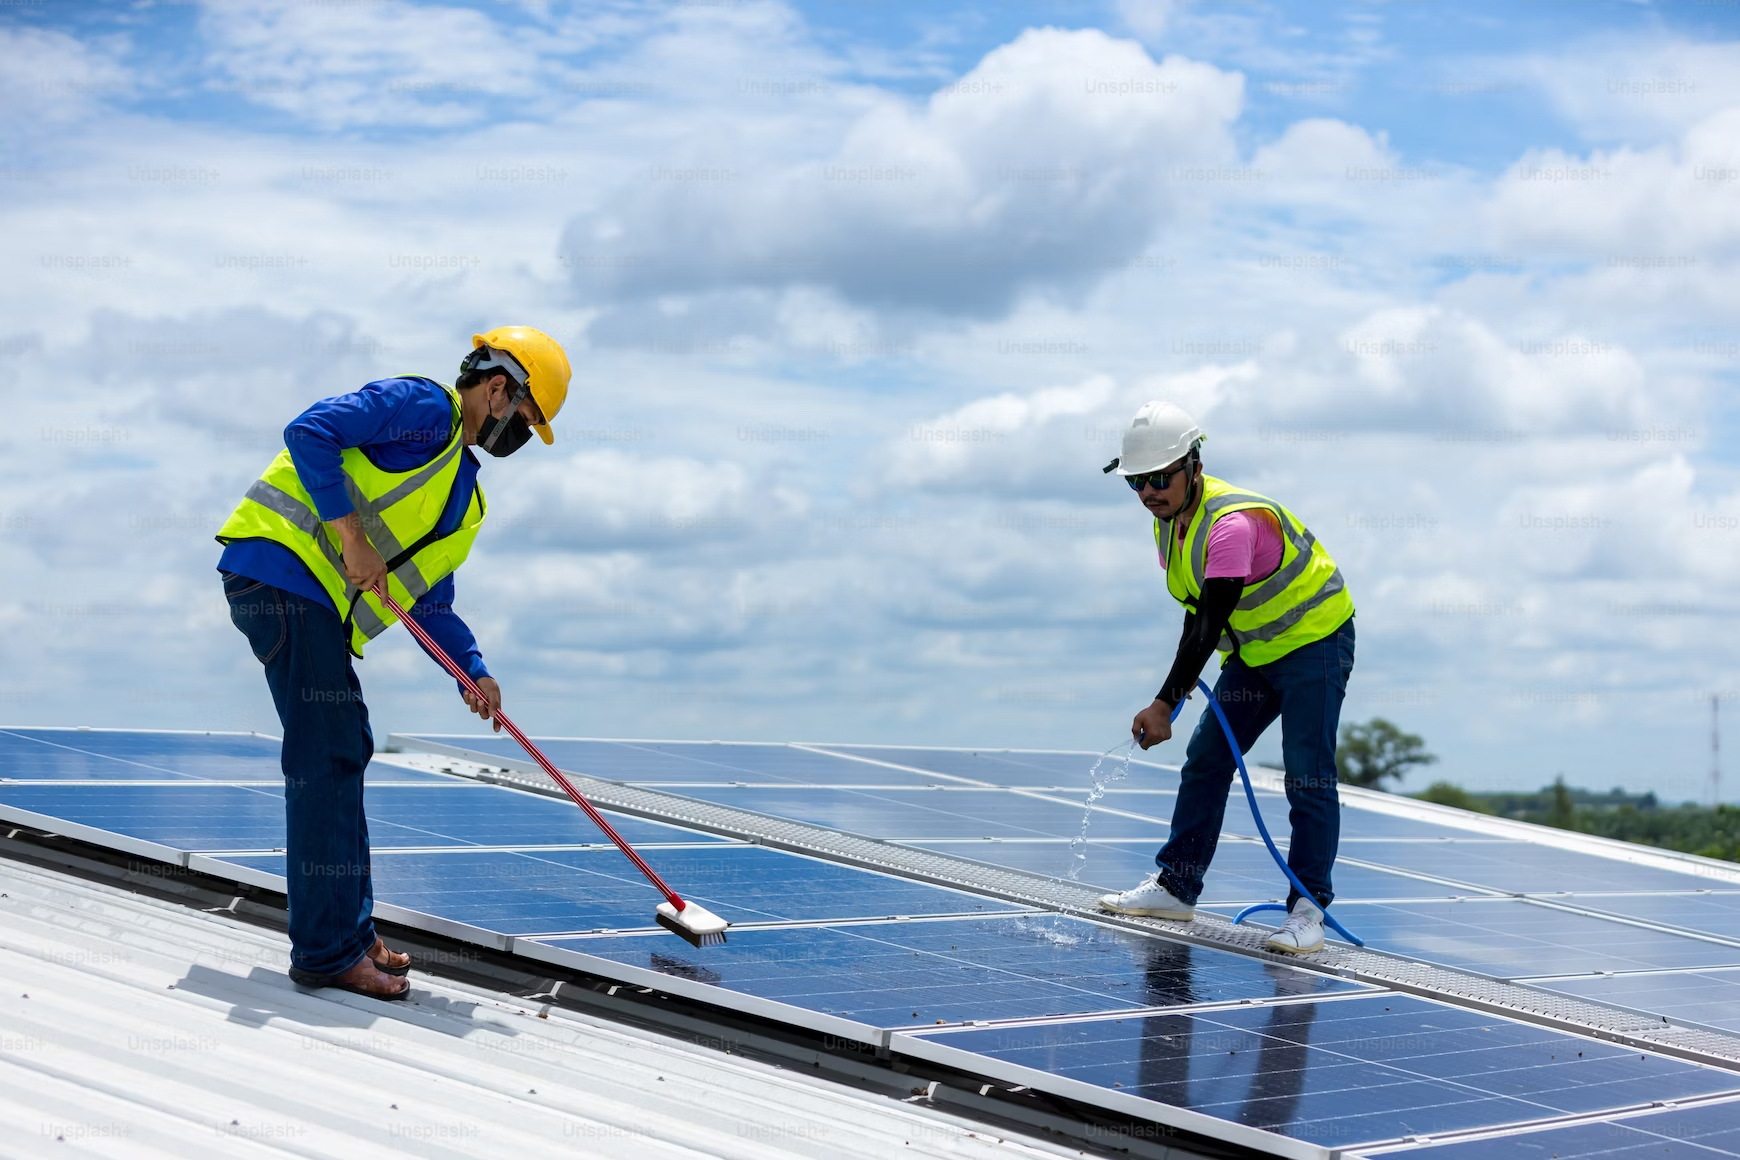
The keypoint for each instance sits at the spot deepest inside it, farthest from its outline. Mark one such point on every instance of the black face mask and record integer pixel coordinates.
(503, 437)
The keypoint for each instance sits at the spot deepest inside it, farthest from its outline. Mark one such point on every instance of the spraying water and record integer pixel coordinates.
(1097, 790)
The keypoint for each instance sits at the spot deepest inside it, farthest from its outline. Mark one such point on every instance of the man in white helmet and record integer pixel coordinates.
(1256, 585)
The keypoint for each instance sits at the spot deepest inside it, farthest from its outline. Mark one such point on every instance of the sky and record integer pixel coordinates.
(859, 299)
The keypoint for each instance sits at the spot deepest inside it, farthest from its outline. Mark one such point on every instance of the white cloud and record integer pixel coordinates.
(1661, 209)
(377, 63)
(1046, 164)
(52, 79)
(1615, 90)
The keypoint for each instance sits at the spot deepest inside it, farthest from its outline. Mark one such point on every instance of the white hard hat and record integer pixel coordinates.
(1160, 435)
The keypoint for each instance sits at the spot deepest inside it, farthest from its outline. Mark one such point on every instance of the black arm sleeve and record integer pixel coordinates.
(1202, 629)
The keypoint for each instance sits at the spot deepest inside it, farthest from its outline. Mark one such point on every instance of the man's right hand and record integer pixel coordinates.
(1152, 725)
(363, 565)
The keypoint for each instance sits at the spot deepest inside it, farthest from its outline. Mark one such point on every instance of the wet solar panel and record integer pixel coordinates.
(202, 816)
(1256, 1043)
(1710, 998)
(925, 973)
(563, 891)
(1512, 938)
(1348, 1071)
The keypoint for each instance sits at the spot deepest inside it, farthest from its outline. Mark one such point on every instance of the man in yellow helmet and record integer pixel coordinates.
(1255, 583)
(374, 490)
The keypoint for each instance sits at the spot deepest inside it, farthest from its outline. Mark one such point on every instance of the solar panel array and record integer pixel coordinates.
(1237, 1047)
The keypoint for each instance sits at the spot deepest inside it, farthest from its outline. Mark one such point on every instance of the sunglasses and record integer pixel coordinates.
(1159, 479)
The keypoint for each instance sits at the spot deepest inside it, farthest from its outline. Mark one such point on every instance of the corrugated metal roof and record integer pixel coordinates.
(136, 1027)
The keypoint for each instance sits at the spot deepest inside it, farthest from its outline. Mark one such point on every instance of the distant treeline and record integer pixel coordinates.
(1694, 829)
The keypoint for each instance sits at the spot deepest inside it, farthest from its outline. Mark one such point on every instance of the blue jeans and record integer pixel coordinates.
(1304, 689)
(327, 745)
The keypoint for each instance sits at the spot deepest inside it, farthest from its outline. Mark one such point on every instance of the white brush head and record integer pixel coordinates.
(700, 926)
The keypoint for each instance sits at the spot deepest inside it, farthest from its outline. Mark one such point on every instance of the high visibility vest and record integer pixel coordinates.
(399, 511)
(1304, 600)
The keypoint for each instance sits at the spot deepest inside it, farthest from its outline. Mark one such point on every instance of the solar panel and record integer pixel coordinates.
(1258, 1044)
(116, 755)
(1694, 1133)
(925, 973)
(1014, 767)
(1513, 938)
(523, 893)
(1241, 871)
(1716, 912)
(700, 763)
(1523, 867)
(930, 813)
(1355, 1069)
(202, 816)
(1711, 998)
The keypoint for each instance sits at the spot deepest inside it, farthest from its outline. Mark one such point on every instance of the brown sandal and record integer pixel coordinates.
(388, 961)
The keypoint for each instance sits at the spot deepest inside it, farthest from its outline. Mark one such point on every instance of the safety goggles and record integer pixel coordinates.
(485, 358)
(1160, 479)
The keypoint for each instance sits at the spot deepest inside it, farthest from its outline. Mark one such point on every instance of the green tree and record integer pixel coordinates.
(1371, 753)
(1449, 794)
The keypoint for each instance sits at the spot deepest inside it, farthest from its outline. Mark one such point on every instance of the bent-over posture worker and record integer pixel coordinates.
(374, 488)
(1256, 584)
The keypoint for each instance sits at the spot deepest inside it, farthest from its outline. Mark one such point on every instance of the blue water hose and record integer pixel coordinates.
(1257, 816)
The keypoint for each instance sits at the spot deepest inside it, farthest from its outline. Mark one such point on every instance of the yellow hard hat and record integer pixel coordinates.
(545, 364)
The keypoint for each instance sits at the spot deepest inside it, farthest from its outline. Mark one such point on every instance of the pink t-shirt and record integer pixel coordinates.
(1245, 544)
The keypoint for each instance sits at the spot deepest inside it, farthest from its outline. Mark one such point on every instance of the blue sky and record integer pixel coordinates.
(859, 297)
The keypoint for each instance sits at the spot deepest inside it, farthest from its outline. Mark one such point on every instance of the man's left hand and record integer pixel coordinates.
(486, 709)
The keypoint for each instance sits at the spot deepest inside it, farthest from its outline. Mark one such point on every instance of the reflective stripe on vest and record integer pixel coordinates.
(1304, 600)
(277, 508)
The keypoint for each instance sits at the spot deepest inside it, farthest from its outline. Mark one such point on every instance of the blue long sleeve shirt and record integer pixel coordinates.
(400, 425)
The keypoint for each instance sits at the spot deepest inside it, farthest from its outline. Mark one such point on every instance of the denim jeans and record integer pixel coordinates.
(327, 745)
(1304, 689)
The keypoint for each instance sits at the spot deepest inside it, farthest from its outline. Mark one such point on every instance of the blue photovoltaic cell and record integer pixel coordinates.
(582, 890)
(487, 815)
(1696, 1133)
(1519, 867)
(200, 816)
(1708, 997)
(1717, 912)
(1359, 823)
(928, 813)
(136, 755)
(1351, 1071)
(1510, 938)
(907, 974)
(660, 763)
(80, 754)
(1015, 767)
(1241, 871)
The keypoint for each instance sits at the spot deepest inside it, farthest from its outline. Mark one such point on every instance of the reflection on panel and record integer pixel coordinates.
(1016, 767)
(1360, 1069)
(1511, 938)
(1716, 912)
(200, 816)
(931, 813)
(663, 762)
(1523, 867)
(1695, 1133)
(585, 890)
(926, 973)
(1241, 872)
(74, 755)
(1708, 997)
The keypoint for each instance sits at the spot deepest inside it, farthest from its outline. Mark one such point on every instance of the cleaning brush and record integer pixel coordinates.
(690, 920)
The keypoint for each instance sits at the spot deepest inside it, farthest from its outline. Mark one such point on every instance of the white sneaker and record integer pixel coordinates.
(1149, 898)
(1302, 933)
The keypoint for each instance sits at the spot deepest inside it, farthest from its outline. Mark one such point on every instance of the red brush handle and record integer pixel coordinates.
(464, 679)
